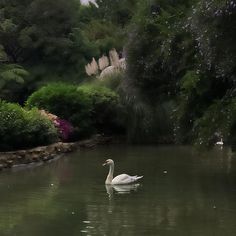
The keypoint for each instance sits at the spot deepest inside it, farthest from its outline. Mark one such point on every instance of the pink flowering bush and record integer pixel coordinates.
(64, 127)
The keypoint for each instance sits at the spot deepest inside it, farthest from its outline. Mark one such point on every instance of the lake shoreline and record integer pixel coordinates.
(46, 153)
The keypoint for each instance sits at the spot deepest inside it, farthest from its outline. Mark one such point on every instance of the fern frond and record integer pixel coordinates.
(12, 72)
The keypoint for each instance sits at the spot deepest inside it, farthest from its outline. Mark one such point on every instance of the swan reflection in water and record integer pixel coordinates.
(121, 189)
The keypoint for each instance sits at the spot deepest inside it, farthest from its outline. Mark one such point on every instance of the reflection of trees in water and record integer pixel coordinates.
(125, 215)
(35, 203)
(22, 203)
(122, 217)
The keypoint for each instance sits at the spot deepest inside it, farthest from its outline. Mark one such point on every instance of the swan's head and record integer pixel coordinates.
(108, 162)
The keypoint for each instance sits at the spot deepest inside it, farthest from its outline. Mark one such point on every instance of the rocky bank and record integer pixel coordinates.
(46, 153)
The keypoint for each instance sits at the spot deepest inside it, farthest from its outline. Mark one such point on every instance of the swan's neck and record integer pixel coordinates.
(110, 174)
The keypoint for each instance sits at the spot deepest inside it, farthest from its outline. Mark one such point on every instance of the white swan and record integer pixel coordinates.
(221, 143)
(119, 179)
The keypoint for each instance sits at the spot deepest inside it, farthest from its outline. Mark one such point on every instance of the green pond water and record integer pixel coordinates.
(184, 192)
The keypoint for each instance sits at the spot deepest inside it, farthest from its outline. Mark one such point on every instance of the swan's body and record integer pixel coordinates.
(119, 179)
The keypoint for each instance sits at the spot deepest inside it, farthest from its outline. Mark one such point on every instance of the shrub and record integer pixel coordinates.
(105, 108)
(89, 108)
(66, 102)
(65, 129)
(20, 128)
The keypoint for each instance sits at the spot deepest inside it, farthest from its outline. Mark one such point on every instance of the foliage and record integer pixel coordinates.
(157, 52)
(112, 81)
(89, 108)
(193, 94)
(218, 121)
(104, 35)
(12, 77)
(145, 122)
(211, 26)
(12, 72)
(65, 129)
(214, 76)
(3, 55)
(154, 67)
(44, 37)
(25, 30)
(191, 60)
(105, 108)
(105, 25)
(117, 11)
(66, 102)
(53, 41)
(20, 128)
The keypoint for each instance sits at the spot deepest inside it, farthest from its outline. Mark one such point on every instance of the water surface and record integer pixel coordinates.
(183, 192)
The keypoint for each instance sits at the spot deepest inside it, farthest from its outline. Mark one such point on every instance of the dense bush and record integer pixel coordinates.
(89, 108)
(66, 102)
(20, 128)
(105, 111)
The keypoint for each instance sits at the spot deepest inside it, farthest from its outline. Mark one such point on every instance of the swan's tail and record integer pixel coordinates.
(138, 177)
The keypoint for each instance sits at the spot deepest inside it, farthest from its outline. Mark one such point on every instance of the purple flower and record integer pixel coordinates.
(64, 127)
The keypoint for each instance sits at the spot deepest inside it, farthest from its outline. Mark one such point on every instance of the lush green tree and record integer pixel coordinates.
(104, 35)
(183, 51)
(158, 50)
(105, 24)
(212, 26)
(117, 11)
(44, 37)
(38, 26)
(158, 53)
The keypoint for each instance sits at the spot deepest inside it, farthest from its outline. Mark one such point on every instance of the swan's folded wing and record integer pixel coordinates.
(125, 179)
(121, 179)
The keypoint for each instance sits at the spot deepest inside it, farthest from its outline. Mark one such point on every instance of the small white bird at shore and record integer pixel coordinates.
(220, 143)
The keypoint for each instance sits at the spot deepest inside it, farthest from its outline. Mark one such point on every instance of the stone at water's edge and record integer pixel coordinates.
(45, 153)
